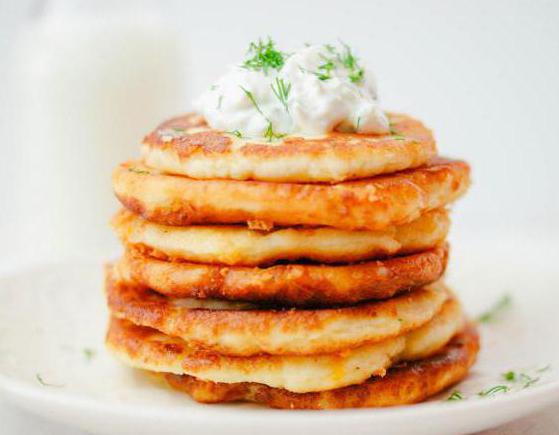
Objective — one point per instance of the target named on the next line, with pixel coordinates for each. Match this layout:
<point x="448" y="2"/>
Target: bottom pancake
<point x="405" y="383"/>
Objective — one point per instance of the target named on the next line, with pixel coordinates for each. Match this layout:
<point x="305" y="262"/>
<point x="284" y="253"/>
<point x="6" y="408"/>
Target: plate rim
<point x="14" y="389"/>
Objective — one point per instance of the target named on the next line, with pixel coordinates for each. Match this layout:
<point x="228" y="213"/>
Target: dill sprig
<point x="46" y="384"/>
<point x="251" y="98"/>
<point x="235" y="133"/>
<point x="492" y="313"/>
<point x="325" y="69"/>
<point x="494" y="390"/>
<point x="528" y="380"/>
<point x="264" y="56"/>
<point x="521" y="377"/>
<point x="344" y="58"/>
<point x="281" y="91"/>
<point x="330" y="48"/>
<point x="455" y="395"/>
<point x="270" y="134"/>
<point x="138" y="171"/>
<point x="89" y="353"/>
<point x="348" y="59"/>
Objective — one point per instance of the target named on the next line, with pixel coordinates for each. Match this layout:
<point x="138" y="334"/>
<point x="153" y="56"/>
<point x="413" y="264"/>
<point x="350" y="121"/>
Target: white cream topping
<point x="322" y="92"/>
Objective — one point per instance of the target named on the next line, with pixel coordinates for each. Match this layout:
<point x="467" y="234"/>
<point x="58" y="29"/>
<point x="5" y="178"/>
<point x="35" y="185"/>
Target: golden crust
<point x="186" y="145"/>
<point x="373" y="204"/>
<point x="252" y="330"/>
<point x="405" y="383"/>
<point x="289" y="284"/>
<point x="147" y="348"/>
<point x="239" y="245"/>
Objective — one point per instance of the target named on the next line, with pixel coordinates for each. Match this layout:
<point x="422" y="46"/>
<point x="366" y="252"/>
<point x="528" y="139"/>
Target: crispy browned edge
<point x="146" y="308"/>
<point x="373" y="203"/>
<point x="403" y="384"/>
<point x="413" y="139"/>
<point x="428" y="231"/>
<point x="290" y="284"/>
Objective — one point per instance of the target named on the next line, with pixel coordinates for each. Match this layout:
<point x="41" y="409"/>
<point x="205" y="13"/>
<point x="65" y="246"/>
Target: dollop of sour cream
<point x="315" y="90"/>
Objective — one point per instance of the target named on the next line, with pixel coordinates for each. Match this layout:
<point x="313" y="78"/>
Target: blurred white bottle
<point x="95" y="77"/>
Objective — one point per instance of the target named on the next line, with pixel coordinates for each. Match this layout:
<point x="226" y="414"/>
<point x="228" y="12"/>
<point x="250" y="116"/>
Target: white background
<point x="484" y="75"/>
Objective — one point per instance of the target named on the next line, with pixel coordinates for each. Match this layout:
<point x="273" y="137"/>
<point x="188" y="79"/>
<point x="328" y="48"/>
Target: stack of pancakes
<point x="303" y="273"/>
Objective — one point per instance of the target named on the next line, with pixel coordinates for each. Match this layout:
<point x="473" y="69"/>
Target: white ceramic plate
<point x="52" y="360"/>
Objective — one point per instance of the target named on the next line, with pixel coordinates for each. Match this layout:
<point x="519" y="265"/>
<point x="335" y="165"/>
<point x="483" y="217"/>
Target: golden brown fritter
<point x="405" y="383"/>
<point x="288" y="284"/>
<point x="239" y="245"/>
<point x="369" y="204"/>
<point x="233" y="329"/>
<point x="186" y="145"/>
<point x="149" y="349"/>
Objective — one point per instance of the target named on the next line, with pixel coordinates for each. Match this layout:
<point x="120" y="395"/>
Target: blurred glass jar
<point x="94" y="78"/>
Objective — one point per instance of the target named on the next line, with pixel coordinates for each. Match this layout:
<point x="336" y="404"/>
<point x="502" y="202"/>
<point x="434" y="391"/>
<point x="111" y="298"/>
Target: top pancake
<point x="186" y="145"/>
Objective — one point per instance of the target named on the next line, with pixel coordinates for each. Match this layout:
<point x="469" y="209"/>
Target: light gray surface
<point x="17" y="422"/>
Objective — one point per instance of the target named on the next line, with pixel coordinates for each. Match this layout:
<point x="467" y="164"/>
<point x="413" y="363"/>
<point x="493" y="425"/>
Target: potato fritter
<point x="186" y="145"/>
<point x="231" y="328"/>
<point x="294" y="284"/>
<point x="241" y="246"/>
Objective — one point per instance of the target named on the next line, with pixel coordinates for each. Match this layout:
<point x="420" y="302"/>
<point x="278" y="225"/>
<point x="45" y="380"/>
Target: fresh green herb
<point x="330" y="48"/>
<point x="138" y="171"/>
<point x="523" y="377"/>
<point x="89" y="353"/>
<point x="270" y="134"/>
<point x="398" y="137"/>
<point x="348" y="60"/>
<point x="501" y="305"/>
<point x="46" y="384"/>
<point x="281" y="91"/>
<point x="213" y="87"/>
<point x="393" y="132"/>
<point x="345" y="59"/>
<point x="357" y="75"/>
<point x="325" y="69"/>
<point x="456" y="395"/>
<point x="219" y="101"/>
<point x="235" y="133"/>
<point x="528" y="380"/>
<point x="251" y="98"/>
<point x="264" y="56"/>
<point x="494" y="390"/>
